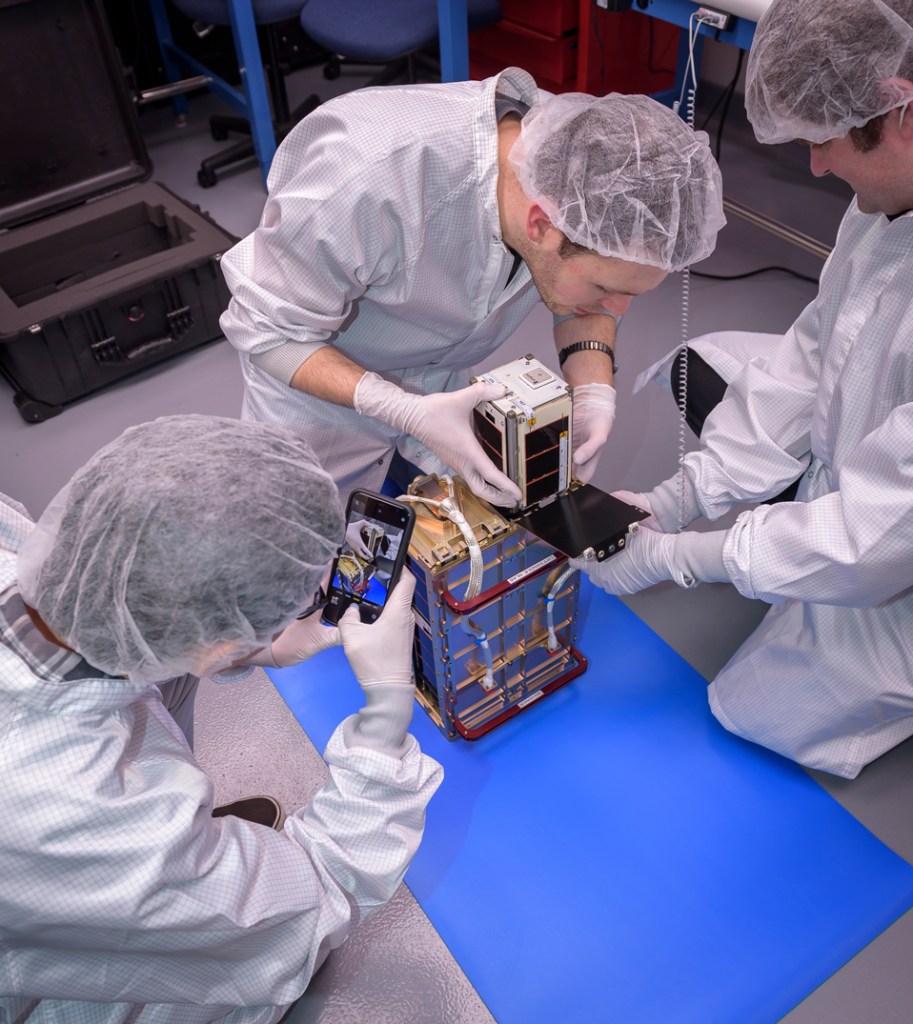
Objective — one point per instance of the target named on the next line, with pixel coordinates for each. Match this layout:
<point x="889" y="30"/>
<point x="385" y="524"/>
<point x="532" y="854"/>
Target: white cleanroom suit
<point x="123" y="899"/>
<point x="827" y="677"/>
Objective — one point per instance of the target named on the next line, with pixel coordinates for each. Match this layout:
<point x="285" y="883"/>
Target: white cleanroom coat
<point x="827" y="677"/>
<point x="381" y="237"/>
<point x="123" y="899"/>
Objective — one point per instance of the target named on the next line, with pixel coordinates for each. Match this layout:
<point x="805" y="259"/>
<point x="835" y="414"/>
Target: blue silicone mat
<point x="613" y="856"/>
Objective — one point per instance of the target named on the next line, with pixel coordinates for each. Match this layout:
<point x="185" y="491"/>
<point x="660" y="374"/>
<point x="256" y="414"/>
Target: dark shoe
<point x="262" y="810"/>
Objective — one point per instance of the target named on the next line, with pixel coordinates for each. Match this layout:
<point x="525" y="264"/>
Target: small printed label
<point x="564" y="480"/>
<point x="530" y="569"/>
<point x="525" y="408"/>
<point x="530" y="699"/>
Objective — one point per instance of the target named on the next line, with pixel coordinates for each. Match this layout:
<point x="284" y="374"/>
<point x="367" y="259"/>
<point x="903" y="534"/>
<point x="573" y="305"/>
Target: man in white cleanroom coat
<point x="827" y="677"/>
<point x="187" y="546"/>
<point x="409" y="231"/>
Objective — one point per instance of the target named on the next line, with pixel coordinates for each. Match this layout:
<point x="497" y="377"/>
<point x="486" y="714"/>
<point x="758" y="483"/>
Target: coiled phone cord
<point x="688" y="96"/>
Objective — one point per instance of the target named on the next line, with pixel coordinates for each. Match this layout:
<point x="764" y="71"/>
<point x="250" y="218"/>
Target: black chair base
<point x="242" y="156"/>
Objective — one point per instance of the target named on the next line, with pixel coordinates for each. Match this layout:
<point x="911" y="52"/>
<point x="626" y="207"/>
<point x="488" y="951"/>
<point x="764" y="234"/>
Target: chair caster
<point x="206" y="178"/>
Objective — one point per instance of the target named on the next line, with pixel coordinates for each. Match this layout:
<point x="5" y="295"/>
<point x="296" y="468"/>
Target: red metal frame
<point x="463" y="607"/>
<point x="555" y="684"/>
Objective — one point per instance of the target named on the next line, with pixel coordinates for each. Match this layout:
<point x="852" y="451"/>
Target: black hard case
<point x="102" y="273"/>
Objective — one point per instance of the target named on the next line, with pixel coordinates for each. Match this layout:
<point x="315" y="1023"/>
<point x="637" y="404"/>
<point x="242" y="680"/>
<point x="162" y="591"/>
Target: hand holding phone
<point x="304" y="638"/>
<point x="378" y="530"/>
<point x="382" y="651"/>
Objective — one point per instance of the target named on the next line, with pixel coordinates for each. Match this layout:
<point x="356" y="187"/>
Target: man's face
<point x="588" y="283"/>
<point x="875" y="176"/>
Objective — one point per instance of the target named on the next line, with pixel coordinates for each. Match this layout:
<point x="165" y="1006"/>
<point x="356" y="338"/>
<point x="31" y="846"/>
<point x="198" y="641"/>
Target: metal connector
<point x="715" y="19"/>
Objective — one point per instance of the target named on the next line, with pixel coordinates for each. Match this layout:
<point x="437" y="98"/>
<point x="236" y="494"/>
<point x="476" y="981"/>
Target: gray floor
<point x="395" y="969"/>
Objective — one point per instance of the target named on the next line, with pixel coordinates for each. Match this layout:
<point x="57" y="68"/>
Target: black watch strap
<point x="588" y="346"/>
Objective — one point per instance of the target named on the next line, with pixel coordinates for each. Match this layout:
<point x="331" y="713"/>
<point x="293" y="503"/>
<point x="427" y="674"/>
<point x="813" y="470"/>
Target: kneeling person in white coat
<point x="827" y="677"/>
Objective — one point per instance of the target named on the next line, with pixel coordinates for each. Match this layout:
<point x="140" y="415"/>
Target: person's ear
<point x="895" y="89"/>
<point x="539" y="228"/>
<point x="899" y="91"/>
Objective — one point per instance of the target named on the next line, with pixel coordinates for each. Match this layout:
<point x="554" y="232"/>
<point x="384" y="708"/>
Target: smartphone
<point x="373" y="553"/>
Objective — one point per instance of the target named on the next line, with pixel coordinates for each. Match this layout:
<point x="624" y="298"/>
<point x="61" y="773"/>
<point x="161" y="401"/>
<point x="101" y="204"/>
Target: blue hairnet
<point x="180" y="537"/>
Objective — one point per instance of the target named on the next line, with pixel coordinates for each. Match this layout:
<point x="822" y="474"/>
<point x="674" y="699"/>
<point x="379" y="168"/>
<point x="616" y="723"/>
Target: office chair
<point x="392" y="33"/>
<point x="268" y="13"/>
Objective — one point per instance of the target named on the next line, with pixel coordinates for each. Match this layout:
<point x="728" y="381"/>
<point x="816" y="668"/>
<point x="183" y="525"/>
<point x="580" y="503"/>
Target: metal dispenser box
<point x="496" y="603"/>
<point x="482" y="660"/>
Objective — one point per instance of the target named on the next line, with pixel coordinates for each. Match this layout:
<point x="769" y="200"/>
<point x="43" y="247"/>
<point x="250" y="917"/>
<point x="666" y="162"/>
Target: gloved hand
<point x="381" y="651"/>
<point x="355" y="542"/>
<point x="594" y="414"/>
<point x="443" y="423"/>
<point x="380" y="654"/>
<point x="648" y="558"/>
<point x="674" y="503"/>
<point x="641" y="501"/>
<point x="296" y="643"/>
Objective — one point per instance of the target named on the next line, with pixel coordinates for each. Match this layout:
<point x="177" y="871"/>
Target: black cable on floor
<point x="752" y="273"/>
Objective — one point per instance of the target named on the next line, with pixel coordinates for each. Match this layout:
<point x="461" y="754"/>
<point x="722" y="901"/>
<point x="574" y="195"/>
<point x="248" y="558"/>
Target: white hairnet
<point x="623" y="176"/>
<point x="180" y="536"/>
<point x="818" y="68"/>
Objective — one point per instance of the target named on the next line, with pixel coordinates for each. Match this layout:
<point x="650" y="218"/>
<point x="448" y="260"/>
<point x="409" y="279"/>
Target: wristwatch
<point x="588" y="346"/>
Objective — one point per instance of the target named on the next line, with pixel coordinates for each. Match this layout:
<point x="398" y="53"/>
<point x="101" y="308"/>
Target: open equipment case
<point x="102" y="272"/>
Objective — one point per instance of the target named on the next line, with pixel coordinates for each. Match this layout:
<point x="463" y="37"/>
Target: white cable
<point x="481" y="640"/>
<point x="550" y="605"/>
<point x="453" y="512"/>
<point x="448" y="506"/>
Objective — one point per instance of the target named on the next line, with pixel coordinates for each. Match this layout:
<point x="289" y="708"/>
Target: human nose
<point x="818" y="161"/>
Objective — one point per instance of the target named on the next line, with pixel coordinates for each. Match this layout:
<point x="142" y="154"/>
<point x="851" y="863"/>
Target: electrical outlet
<point x="715" y="19"/>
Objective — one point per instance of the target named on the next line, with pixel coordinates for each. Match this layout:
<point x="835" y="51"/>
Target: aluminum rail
<point x="789" y="234"/>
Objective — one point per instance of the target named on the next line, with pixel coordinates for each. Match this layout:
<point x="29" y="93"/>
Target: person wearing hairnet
<point x="187" y="546"/>
<point x="827" y="676"/>
<point x="409" y="231"/>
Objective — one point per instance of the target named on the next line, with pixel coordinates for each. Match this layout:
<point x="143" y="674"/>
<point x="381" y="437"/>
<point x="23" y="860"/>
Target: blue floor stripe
<point x="613" y="856"/>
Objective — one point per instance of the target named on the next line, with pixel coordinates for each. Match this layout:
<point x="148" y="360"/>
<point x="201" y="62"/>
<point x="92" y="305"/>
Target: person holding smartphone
<point x="410" y="230"/>
<point x="187" y="546"/>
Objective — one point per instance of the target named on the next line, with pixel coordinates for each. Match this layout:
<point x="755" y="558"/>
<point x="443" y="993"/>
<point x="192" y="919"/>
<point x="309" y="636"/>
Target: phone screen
<point x="372" y="556"/>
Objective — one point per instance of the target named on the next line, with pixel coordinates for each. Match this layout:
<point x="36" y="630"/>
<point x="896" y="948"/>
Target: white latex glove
<point x="381" y="651"/>
<point x="594" y="414"/>
<point x="442" y="422"/>
<point x="354" y="541"/>
<point x="648" y="558"/>
<point x="380" y="654"/>
<point x="296" y="643"/>
<point x="641" y="501"/>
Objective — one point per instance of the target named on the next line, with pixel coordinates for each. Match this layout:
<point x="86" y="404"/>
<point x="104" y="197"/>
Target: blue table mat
<point x="614" y="855"/>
